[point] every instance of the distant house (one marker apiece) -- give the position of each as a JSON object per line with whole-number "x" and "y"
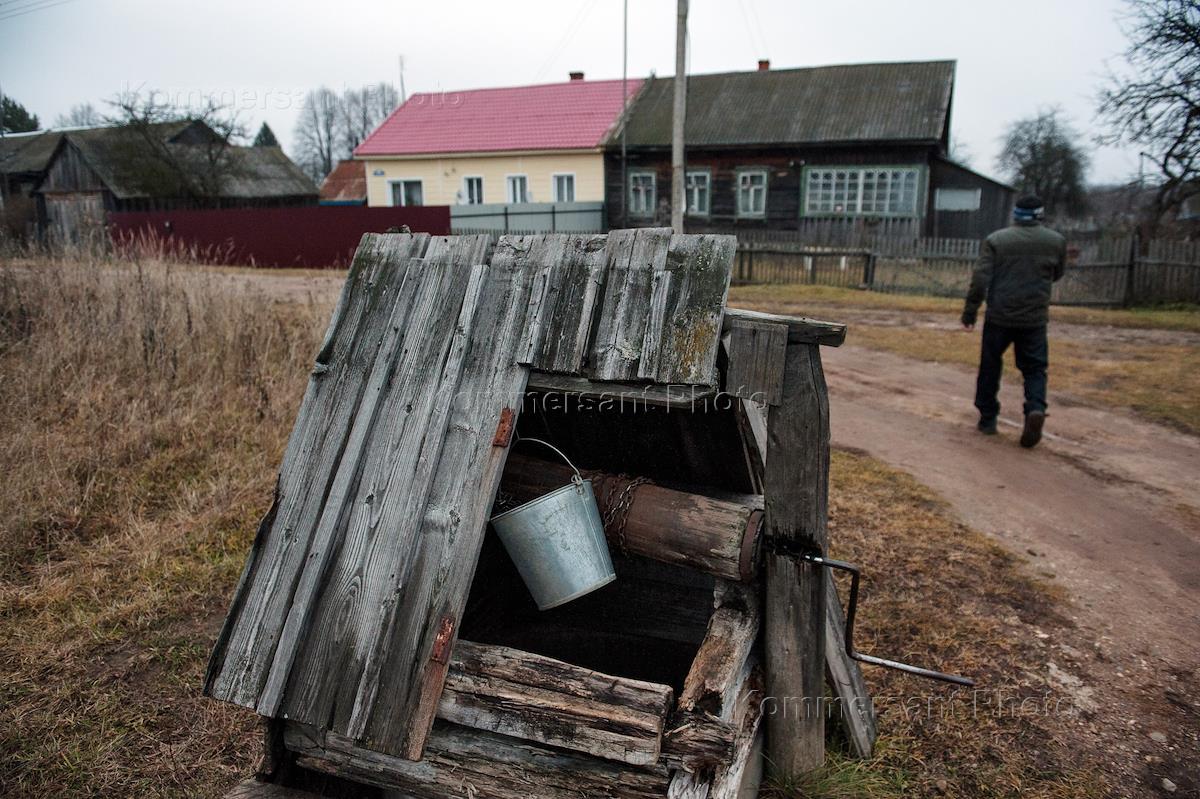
{"x": 502, "y": 149}
{"x": 161, "y": 166}
{"x": 345, "y": 185}
{"x": 23, "y": 161}
{"x": 860, "y": 146}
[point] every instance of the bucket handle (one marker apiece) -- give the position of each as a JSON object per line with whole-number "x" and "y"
{"x": 577, "y": 479}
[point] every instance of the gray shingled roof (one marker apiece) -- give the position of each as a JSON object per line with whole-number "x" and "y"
{"x": 27, "y": 152}
{"x": 901, "y": 102}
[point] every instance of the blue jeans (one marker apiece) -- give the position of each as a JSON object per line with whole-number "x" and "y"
{"x": 1029, "y": 345}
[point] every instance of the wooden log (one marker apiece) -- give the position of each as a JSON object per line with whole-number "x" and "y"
{"x": 461, "y": 763}
{"x": 845, "y": 678}
{"x": 801, "y": 330}
{"x": 253, "y": 789}
{"x": 696, "y": 740}
{"x": 713, "y": 683}
{"x": 797, "y": 475}
{"x": 714, "y": 536}
{"x": 547, "y": 701}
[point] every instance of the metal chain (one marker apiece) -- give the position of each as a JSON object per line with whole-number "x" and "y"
{"x": 617, "y": 500}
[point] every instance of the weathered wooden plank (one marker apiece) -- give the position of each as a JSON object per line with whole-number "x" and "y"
{"x": 713, "y": 682}
{"x": 622, "y": 396}
{"x": 801, "y": 330}
{"x": 430, "y": 602}
{"x": 796, "y": 500}
{"x": 369, "y": 524}
{"x": 687, "y": 302}
{"x": 547, "y": 701}
{"x": 247, "y": 643}
{"x": 712, "y": 535}
{"x": 755, "y": 361}
{"x": 253, "y": 789}
{"x": 563, "y": 307}
{"x": 855, "y": 707}
{"x": 633, "y": 257}
{"x": 462, "y": 763}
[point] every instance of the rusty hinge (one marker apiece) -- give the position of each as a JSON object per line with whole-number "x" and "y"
{"x": 504, "y": 430}
{"x": 441, "y": 644}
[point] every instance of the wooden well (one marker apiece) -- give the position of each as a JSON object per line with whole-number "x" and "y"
{"x": 386, "y": 636}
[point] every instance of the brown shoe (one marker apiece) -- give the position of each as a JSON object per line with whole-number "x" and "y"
{"x": 1032, "y": 433}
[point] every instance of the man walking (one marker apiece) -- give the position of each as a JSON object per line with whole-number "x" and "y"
{"x": 1016, "y": 267}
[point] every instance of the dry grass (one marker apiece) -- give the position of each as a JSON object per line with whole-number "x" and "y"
{"x": 143, "y": 413}
{"x": 816, "y": 300}
{"x": 941, "y": 595}
{"x": 142, "y": 416}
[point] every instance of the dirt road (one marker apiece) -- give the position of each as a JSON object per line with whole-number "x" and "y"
{"x": 1107, "y": 503}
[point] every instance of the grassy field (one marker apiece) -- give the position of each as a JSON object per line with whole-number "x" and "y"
{"x": 1157, "y": 378}
{"x": 143, "y": 413}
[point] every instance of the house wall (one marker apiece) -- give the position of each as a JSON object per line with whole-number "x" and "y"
{"x": 442, "y": 177}
{"x": 995, "y": 204}
{"x": 784, "y": 186}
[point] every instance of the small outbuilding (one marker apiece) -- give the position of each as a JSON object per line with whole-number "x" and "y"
{"x": 345, "y": 185}
{"x": 159, "y": 166}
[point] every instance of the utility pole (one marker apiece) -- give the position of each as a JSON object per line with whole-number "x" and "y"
{"x": 624, "y": 113}
{"x": 679, "y": 115}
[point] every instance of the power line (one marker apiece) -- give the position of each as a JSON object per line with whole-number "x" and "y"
{"x": 581, "y": 16}
{"x": 39, "y": 5}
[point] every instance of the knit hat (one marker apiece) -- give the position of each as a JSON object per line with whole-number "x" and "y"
{"x": 1029, "y": 208}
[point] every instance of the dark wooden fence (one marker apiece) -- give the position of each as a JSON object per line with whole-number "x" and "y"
{"x": 1107, "y": 271}
{"x": 309, "y": 236}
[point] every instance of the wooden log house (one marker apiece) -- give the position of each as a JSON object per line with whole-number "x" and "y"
{"x": 386, "y": 636}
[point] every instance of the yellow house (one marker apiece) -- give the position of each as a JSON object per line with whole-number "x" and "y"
{"x": 512, "y": 146}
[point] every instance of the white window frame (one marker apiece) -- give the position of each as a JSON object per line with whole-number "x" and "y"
{"x": 509, "y": 195}
{"x": 393, "y": 182}
{"x": 942, "y": 198}
{"x": 651, "y": 200}
{"x": 746, "y": 172}
{"x": 690, "y": 192}
{"x": 554, "y": 187}
{"x": 868, "y": 190}
{"x": 467, "y": 189}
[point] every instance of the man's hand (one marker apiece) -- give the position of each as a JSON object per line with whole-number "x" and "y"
{"x": 968, "y": 325}
{"x": 968, "y": 319}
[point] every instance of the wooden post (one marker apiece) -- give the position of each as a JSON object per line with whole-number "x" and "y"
{"x": 796, "y": 487}
{"x": 678, "y": 115}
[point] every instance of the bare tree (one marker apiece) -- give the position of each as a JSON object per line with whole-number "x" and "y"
{"x": 198, "y": 166}
{"x": 81, "y": 115}
{"x": 362, "y": 111}
{"x": 1041, "y": 155}
{"x": 1154, "y": 102}
{"x": 318, "y": 131}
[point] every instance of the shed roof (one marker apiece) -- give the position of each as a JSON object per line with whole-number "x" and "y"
{"x": 161, "y": 162}
{"x": 554, "y": 116}
{"x": 27, "y": 152}
{"x": 850, "y": 103}
{"x": 347, "y": 183}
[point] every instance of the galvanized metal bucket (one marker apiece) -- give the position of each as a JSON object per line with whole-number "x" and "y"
{"x": 557, "y": 541}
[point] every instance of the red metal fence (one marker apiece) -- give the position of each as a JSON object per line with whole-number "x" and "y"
{"x": 308, "y": 236}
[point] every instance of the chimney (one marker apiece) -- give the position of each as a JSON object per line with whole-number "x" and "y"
{"x": 764, "y": 64}
{"x": 576, "y": 75}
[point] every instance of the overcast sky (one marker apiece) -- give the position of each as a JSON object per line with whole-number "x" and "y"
{"x": 1013, "y": 58}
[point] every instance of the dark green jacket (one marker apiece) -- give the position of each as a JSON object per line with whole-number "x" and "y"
{"x": 1017, "y": 265}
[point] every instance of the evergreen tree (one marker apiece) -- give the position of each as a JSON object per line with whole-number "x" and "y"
{"x": 14, "y": 118}
{"x": 265, "y": 137}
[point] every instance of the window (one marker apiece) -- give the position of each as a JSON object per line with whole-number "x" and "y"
{"x": 957, "y": 199}
{"x": 473, "y": 190}
{"x": 641, "y": 194}
{"x": 564, "y": 188}
{"x": 407, "y": 192}
{"x": 518, "y": 188}
{"x": 752, "y": 192}
{"x": 870, "y": 191}
{"x": 698, "y": 183}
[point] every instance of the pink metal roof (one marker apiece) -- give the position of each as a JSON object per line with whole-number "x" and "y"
{"x": 554, "y": 116}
